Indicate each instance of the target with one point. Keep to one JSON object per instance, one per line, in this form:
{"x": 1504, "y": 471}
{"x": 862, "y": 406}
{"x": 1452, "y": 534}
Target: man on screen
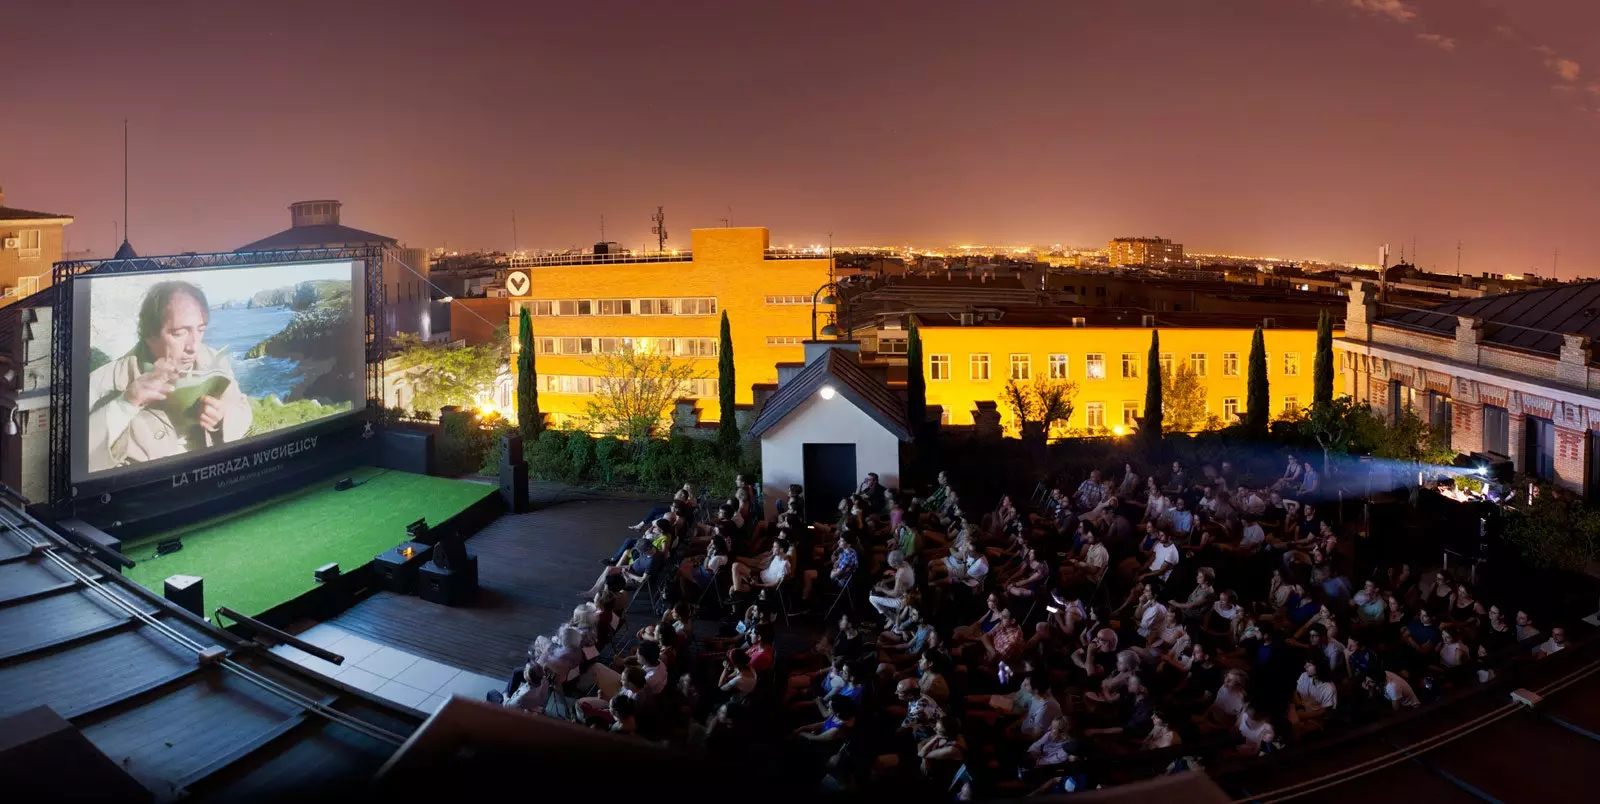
{"x": 171, "y": 394}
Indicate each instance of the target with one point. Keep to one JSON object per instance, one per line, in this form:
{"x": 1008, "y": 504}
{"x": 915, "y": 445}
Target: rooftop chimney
{"x": 314, "y": 213}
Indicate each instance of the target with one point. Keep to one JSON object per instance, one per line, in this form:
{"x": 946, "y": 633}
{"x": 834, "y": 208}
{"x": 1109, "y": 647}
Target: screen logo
{"x": 517, "y": 283}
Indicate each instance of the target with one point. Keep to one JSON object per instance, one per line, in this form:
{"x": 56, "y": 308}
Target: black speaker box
{"x": 514, "y": 487}
{"x": 448, "y": 587}
{"x": 188, "y": 592}
{"x": 510, "y": 449}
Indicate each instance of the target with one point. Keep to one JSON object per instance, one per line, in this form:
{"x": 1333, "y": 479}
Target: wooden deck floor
{"x": 531, "y": 569}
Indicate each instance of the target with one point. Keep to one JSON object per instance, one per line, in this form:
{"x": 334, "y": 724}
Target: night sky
{"x": 1275, "y": 127}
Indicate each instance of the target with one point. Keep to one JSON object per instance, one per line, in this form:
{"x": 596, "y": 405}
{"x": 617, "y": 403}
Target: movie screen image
{"x": 170, "y": 365}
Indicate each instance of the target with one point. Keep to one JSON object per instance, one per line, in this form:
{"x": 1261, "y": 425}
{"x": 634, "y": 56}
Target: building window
{"x": 576, "y": 307}
{"x": 938, "y": 367}
{"x": 1021, "y": 367}
{"x": 1095, "y": 415}
{"x": 655, "y": 307}
{"x": 1291, "y": 405}
{"x": 544, "y": 346}
{"x": 28, "y": 247}
{"x": 788, "y": 300}
{"x": 893, "y": 346}
{"x": 1130, "y": 414}
{"x": 1291, "y": 364}
{"x": 1230, "y": 409}
{"x": 1130, "y": 366}
{"x": 978, "y": 368}
{"x": 1095, "y": 366}
{"x": 616, "y": 307}
{"x": 1058, "y": 367}
{"x": 1166, "y": 364}
{"x": 944, "y": 415}
{"x": 786, "y": 340}
{"x": 706, "y": 306}
{"x": 1197, "y": 363}
{"x": 1496, "y": 430}
{"x": 697, "y": 347}
{"x": 1230, "y": 364}
{"x": 703, "y": 387}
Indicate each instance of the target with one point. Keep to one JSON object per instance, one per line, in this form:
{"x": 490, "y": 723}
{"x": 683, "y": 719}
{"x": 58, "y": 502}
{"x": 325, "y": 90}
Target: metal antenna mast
{"x": 660, "y": 229}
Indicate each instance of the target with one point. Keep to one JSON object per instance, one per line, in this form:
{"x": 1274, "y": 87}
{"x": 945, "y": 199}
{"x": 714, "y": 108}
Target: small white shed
{"x": 826, "y": 428}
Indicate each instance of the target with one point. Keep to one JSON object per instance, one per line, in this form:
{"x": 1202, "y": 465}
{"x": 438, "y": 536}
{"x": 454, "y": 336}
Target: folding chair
{"x": 846, "y": 592}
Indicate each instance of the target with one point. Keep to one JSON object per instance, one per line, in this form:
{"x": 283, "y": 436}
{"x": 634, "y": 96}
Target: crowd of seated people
{"x": 1110, "y": 624}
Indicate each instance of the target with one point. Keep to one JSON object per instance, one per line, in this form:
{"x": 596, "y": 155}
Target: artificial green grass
{"x": 263, "y": 555}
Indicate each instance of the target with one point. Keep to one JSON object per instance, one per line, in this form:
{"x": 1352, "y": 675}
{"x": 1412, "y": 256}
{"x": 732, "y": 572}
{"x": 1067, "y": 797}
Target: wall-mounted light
{"x": 827, "y": 392}
{"x": 11, "y": 422}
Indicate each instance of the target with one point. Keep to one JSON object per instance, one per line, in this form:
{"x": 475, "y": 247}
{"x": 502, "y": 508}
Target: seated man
{"x": 845, "y": 563}
{"x": 1090, "y": 492}
{"x": 1164, "y": 557}
{"x": 874, "y": 492}
{"x": 772, "y": 575}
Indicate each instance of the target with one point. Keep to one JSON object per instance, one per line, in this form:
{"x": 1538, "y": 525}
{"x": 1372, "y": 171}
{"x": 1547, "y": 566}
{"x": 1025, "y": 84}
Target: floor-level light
{"x": 827, "y": 392}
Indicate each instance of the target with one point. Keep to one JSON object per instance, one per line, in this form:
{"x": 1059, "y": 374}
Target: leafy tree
{"x": 916, "y": 383}
{"x": 1183, "y": 402}
{"x": 1555, "y": 531}
{"x": 442, "y": 374}
{"x": 1042, "y": 407}
{"x": 1335, "y": 425}
{"x": 1257, "y": 394}
{"x": 1322, "y": 370}
{"x": 1154, "y": 415}
{"x": 634, "y": 391}
{"x": 728, "y": 429}
{"x": 529, "y": 420}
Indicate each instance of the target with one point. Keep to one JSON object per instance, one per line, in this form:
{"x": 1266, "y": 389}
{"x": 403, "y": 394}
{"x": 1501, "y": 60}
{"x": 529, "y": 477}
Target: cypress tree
{"x": 916, "y": 383}
{"x": 1153, "y": 417}
{"x": 1322, "y": 372}
{"x": 728, "y": 429}
{"x": 1258, "y": 396}
{"x": 529, "y": 420}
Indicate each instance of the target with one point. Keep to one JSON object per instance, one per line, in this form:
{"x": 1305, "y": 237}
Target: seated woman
{"x": 983, "y": 625}
{"x": 698, "y": 572}
{"x": 631, "y": 570}
{"x": 1029, "y": 580}
{"x": 888, "y": 595}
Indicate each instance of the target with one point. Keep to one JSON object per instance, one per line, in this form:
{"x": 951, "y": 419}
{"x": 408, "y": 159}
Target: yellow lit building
{"x": 1152, "y": 251}
{"x": 1108, "y": 361}
{"x": 584, "y": 305}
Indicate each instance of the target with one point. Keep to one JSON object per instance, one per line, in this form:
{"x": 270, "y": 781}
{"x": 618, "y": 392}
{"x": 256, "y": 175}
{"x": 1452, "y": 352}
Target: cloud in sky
{"x": 1564, "y": 68}
{"x": 1393, "y": 9}
{"x": 1506, "y": 31}
{"x": 1438, "y": 40}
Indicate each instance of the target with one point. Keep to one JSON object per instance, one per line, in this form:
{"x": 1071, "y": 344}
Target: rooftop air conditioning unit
{"x": 966, "y": 319}
{"x": 1079, "y": 322}
{"x": 1147, "y": 321}
{"x": 13, "y": 242}
{"x": 1267, "y": 323}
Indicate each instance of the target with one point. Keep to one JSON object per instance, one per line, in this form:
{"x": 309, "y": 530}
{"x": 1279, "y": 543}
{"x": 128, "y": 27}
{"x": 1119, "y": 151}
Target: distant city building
{"x": 408, "y": 296}
{"x": 587, "y": 305}
{"x": 316, "y": 224}
{"x": 1151, "y": 251}
{"x": 30, "y": 242}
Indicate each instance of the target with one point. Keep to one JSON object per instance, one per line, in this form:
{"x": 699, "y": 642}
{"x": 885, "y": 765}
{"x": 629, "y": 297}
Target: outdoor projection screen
{"x": 171, "y": 365}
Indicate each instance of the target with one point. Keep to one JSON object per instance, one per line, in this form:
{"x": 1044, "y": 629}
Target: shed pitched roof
{"x": 850, "y": 381}
{"x": 1533, "y": 320}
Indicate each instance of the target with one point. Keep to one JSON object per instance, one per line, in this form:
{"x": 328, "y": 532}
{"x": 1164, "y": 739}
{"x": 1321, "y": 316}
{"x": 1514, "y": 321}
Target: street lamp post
{"x": 835, "y": 298}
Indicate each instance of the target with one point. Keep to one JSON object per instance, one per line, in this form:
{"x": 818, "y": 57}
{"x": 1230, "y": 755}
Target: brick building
{"x": 1513, "y": 376}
